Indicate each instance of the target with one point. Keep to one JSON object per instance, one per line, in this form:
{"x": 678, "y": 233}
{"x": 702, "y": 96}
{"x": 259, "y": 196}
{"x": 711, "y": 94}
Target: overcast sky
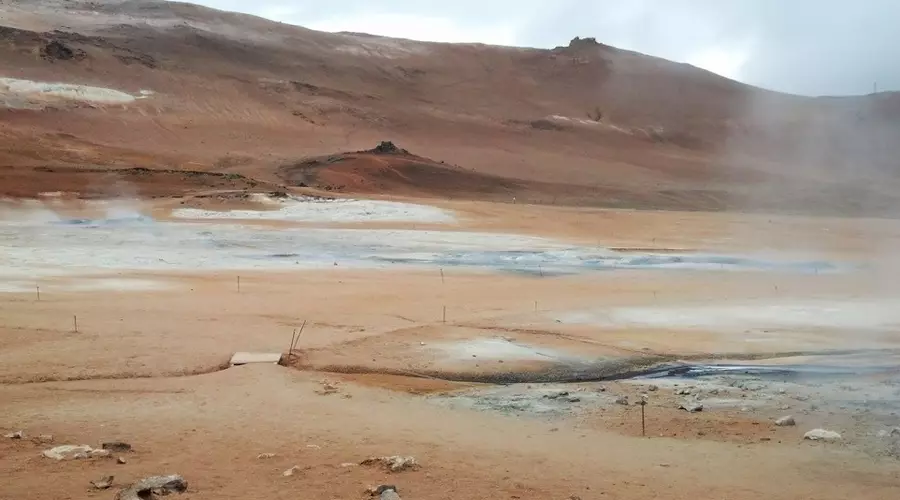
{"x": 812, "y": 47}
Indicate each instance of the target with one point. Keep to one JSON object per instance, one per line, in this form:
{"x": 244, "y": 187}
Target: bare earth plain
{"x": 550, "y": 238}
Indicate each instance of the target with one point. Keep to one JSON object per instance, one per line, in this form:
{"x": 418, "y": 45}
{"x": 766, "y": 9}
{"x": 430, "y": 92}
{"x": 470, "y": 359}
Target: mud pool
{"x": 40, "y": 243}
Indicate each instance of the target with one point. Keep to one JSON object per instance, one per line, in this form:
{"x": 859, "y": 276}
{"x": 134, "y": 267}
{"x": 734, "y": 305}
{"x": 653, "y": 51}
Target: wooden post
{"x": 444, "y": 315}
{"x": 291, "y": 346}
{"x": 75, "y": 322}
{"x": 541, "y": 269}
{"x": 442, "y": 275}
{"x": 38, "y": 288}
{"x": 643, "y": 403}
{"x": 239, "y": 284}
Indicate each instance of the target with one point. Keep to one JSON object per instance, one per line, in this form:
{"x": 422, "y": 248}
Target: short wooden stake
{"x": 442, "y": 275}
{"x": 239, "y": 284}
{"x": 643, "y": 403}
{"x": 75, "y": 322}
{"x": 444, "y": 315}
{"x": 38, "y": 288}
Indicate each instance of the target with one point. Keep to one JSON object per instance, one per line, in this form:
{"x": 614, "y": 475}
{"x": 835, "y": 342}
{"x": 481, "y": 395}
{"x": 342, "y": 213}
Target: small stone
{"x": 786, "y": 421}
{"x": 99, "y": 454}
{"x": 103, "y": 483}
{"x": 622, "y": 400}
{"x": 652, "y": 388}
{"x": 15, "y": 435}
{"x": 822, "y": 435}
{"x": 683, "y": 392}
{"x": 314, "y": 447}
{"x": 45, "y": 438}
{"x": 691, "y": 406}
{"x": 264, "y": 456}
{"x": 348, "y": 464}
{"x": 601, "y": 389}
{"x": 714, "y": 392}
{"x": 291, "y": 471}
{"x": 782, "y": 391}
{"x": 573, "y": 399}
{"x": 121, "y": 460}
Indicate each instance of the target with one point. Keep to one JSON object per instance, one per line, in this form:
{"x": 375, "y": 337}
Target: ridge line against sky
{"x": 824, "y": 47}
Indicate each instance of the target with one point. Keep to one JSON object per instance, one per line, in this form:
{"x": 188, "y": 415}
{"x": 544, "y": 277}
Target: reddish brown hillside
{"x": 238, "y": 94}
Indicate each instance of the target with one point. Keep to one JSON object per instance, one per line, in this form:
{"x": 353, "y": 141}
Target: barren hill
{"x": 183, "y": 87}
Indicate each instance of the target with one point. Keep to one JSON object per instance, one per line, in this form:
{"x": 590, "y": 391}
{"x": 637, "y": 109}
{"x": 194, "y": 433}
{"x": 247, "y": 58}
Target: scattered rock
{"x": 385, "y": 492}
{"x": 388, "y": 147}
{"x": 683, "y": 392}
{"x": 383, "y": 489}
{"x": 652, "y": 388}
{"x": 573, "y": 399}
{"x": 153, "y": 485}
{"x": 622, "y": 400}
{"x": 394, "y": 463}
{"x": 557, "y": 395}
{"x": 314, "y": 447}
{"x": 714, "y": 392}
{"x": 264, "y": 456}
{"x": 787, "y": 421}
{"x": 68, "y": 452}
{"x": 348, "y": 464}
{"x": 327, "y": 388}
{"x": 291, "y": 471}
{"x": 15, "y": 435}
{"x": 895, "y": 432}
{"x": 121, "y": 461}
{"x": 691, "y": 406}
{"x": 58, "y": 51}
{"x": 98, "y": 454}
{"x": 45, "y": 438}
{"x": 822, "y": 435}
{"x": 116, "y": 446}
{"x": 103, "y": 483}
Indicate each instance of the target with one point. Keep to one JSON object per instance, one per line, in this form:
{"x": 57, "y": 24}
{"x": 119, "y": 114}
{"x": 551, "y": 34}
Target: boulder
{"x": 691, "y": 406}
{"x": 787, "y": 421}
{"x": 822, "y": 435}
{"x": 68, "y": 452}
{"x": 153, "y": 485}
{"x": 116, "y": 446}
{"x": 103, "y": 483}
{"x": 384, "y": 492}
{"x": 15, "y": 435}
